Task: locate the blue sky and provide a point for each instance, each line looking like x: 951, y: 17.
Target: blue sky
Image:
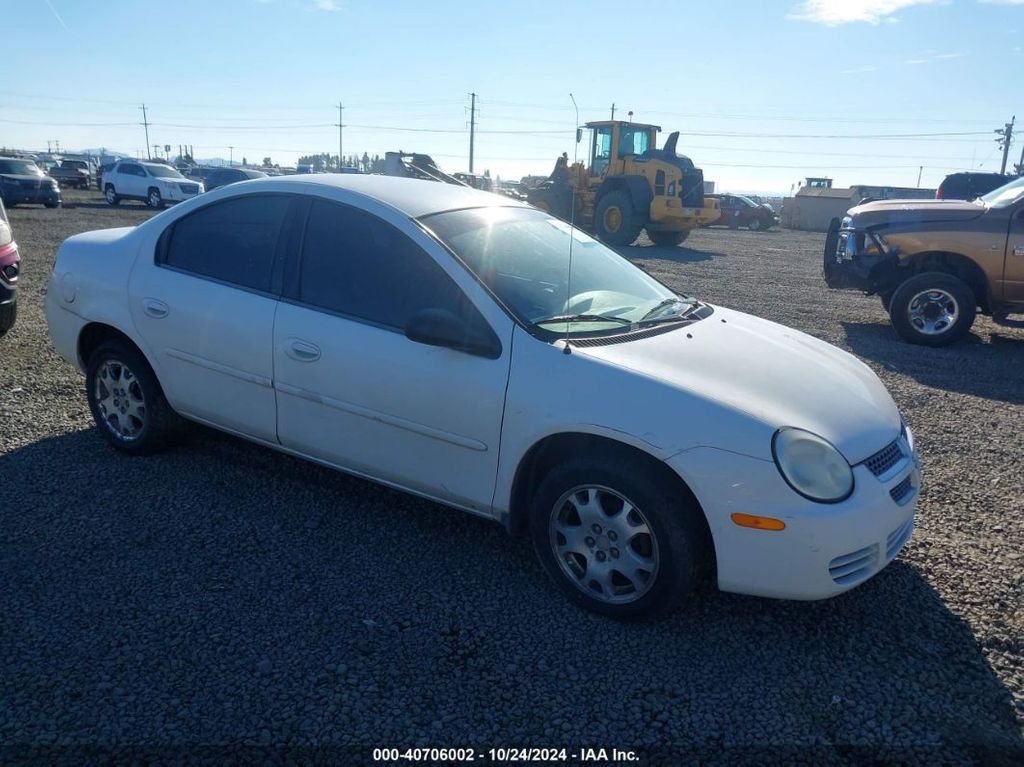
x: 754, y: 87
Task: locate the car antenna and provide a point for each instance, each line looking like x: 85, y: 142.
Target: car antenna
x: 572, y: 226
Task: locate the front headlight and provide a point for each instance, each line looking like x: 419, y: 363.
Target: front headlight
x: 908, y: 434
x: 812, y: 466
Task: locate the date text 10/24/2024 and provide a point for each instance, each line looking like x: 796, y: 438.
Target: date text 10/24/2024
x: 504, y: 754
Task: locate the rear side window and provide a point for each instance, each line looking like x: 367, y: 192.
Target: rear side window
x: 359, y: 266
x: 232, y: 241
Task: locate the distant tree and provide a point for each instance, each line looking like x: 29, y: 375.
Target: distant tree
x: 268, y: 163
x: 365, y: 163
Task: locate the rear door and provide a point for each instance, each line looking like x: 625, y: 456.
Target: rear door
x: 354, y: 391
x: 131, y: 180
x: 203, y: 298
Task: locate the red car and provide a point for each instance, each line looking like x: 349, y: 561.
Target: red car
x: 9, y: 264
x: 738, y: 211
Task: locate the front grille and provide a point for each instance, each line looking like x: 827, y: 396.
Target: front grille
x: 903, y: 492
x: 189, y: 188
x: 855, y: 566
x: 691, y: 188
x: 29, y: 184
x: 885, y: 459
x: 897, y: 538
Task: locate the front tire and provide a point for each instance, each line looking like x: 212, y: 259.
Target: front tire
x: 126, y: 400
x: 112, y: 197
x: 932, y: 309
x: 8, y: 314
x: 668, y: 239
x: 617, y: 536
x: 615, y: 221
x: 754, y: 225
x: 153, y: 199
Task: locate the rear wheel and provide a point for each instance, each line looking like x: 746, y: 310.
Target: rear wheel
x: 668, y: 239
x: 110, y: 195
x: 8, y: 314
x: 615, y: 220
x: 932, y: 309
x: 616, y: 536
x: 126, y: 400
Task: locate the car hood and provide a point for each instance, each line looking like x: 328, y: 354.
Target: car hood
x: 775, y: 374
x: 26, y: 177
x: 903, y: 212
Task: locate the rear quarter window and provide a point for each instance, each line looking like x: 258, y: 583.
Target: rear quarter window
x: 233, y: 241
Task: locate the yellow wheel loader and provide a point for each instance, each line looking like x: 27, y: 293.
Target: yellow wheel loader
x: 630, y: 185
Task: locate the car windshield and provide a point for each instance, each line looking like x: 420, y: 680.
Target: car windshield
x: 1005, y: 195
x: 522, y: 255
x: 161, y: 171
x: 20, y: 168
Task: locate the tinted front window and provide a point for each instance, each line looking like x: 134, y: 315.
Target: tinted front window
x: 355, y: 264
x: 233, y: 241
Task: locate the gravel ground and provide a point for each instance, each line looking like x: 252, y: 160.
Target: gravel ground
x: 223, y: 594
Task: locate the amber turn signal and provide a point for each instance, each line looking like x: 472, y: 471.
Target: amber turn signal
x: 758, y: 523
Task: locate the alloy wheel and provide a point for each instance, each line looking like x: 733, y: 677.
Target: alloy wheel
x: 603, y: 544
x: 120, y: 400
x: 933, y: 312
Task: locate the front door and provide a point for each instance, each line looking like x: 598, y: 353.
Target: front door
x: 204, y: 305
x: 354, y: 391
x: 1013, y: 274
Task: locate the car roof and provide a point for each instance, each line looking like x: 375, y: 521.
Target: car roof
x: 413, y: 197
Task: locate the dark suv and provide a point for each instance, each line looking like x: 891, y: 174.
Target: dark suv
x: 22, y: 181
x: 224, y: 176
x: 10, y: 262
x: 969, y: 186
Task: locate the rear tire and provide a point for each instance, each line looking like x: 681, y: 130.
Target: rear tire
x: 615, y: 221
x: 8, y: 314
x: 668, y: 239
x: 110, y: 195
x: 126, y: 400
x: 933, y: 309
x: 588, y: 541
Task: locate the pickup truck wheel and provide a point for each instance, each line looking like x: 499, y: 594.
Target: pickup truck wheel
x: 126, y: 400
x: 616, y: 537
x: 933, y: 309
x: 153, y: 199
x: 110, y: 195
x: 668, y: 239
x: 754, y: 225
x: 8, y: 314
x: 52, y: 204
x: 615, y: 220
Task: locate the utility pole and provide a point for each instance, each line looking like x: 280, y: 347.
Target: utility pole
x: 920, y: 170
x: 231, y: 156
x: 145, y: 123
x: 1004, y: 140
x: 613, y: 111
x: 472, y: 127
x: 1020, y: 167
x: 340, y: 155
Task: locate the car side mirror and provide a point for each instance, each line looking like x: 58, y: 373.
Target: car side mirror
x: 440, y: 327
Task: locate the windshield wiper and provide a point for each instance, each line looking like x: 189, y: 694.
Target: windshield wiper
x: 649, y: 318
x: 583, y: 318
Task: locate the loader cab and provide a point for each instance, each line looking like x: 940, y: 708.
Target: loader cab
x: 613, y: 140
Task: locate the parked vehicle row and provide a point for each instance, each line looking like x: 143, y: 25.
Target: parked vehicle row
x: 425, y: 336
x: 152, y: 183
x: 22, y: 181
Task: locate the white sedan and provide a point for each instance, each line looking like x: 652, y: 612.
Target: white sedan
x: 429, y: 337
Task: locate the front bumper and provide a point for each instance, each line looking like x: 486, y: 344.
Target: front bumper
x: 10, y: 263
x: 825, y: 549
x: 853, y: 259
x: 670, y: 213
x: 20, y: 195
x: 175, y: 194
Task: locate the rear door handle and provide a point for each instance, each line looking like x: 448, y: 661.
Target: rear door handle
x: 154, y: 308
x: 302, y: 351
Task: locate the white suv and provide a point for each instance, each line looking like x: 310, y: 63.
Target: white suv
x: 150, y: 182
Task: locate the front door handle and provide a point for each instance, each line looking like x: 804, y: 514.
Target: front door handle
x: 154, y: 308
x: 302, y: 351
